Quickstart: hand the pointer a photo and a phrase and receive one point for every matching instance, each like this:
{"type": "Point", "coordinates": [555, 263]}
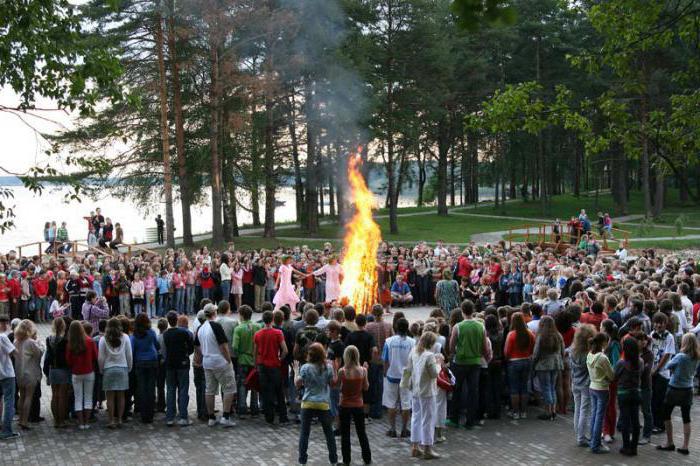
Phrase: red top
{"type": "Point", "coordinates": [5, 291]}
{"type": "Point", "coordinates": [593, 319]}
{"type": "Point", "coordinates": [15, 288]}
{"type": "Point", "coordinates": [207, 283]}
{"type": "Point", "coordinates": [248, 275]}
{"type": "Point", "coordinates": [268, 342]}
{"type": "Point", "coordinates": [512, 352]}
{"type": "Point", "coordinates": [351, 391]}
{"type": "Point", "coordinates": [568, 336]}
{"type": "Point", "coordinates": [696, 308]}
{"type": "Point", "coordinates": [83, 363]}
{"type": "Point", "coordinates": [310, 281]}
{"type": "Point", "coordinates": [464, 267]}
{"type": "Point", "coordinates": [41, 287]}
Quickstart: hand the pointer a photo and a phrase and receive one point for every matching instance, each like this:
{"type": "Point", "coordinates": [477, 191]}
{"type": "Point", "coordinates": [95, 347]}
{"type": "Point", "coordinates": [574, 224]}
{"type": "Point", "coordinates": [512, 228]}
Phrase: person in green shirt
{"type": "Point", "coordinates": [244, 351]}
{"type": "Point", "coordinates": [62, 239]}
{"type": "Point", "coordinates": [469, 346]}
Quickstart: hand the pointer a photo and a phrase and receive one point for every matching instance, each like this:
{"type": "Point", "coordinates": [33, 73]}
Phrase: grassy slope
{"type": "Point", "coordinates": [452, 229]}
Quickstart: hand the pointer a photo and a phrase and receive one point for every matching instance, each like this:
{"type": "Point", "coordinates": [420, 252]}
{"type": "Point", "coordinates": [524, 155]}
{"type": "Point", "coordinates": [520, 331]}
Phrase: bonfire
{"type": "Point", "coordinates": [359, 286]}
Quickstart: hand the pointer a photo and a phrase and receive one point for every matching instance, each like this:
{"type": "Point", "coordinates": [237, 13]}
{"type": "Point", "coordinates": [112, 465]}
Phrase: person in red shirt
{"type": "Point", "coordinates": [464, 266]}
{"type": "Point", "coordinates": [15, 294]}
{"type": "Point", "coordinates": [81, 355]}
{"type": "Point", "coordinates": [309, 283]}
{"type": "Point", "coordinates": [5, 292]}
{"type": "Point", "coordinates": [41, 291]}
{"type": "Point", "coordinates": [595, 316]}
{"type": "Point", "coordinates": [271, 350]}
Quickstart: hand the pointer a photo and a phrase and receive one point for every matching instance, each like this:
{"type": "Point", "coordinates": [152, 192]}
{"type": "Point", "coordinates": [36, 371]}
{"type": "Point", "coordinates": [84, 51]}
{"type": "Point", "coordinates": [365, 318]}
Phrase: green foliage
{"type": "Point", "coordinates": [44, 52]}
{"type": "Point", "coordinates": [472, 14]}
{"type": "Point", "coordinates": [679, 224]}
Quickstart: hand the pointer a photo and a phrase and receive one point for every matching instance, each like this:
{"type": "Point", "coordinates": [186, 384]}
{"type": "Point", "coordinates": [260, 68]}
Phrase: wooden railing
{"type": "Point", "coordinates": [543, 234]}
{"type": "Point", "coordinates": [77, 248]}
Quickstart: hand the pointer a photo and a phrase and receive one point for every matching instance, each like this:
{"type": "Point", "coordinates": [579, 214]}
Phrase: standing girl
{"type": "Point", "coordinates": [115, 361]}
{"type": "Point", "coordinates": [613, 352]}
{"type": "Point", "coordinates": [137, 293]}
{"type": "Point", "coordinates": [149, 284]}
{"type": "Point", "coordinates": [57, 370]}
{"type": "Point", "coordinates": [628, 378]}
{"type": "Point", "coordinates": [316, 376]}
{"type": "Point", "coordinates": [548, 362]}
{"type": "Point", "coordinates": [424, 368]}
{"type": "Point", "coordinates": [601, 373]}
{"type": "Point", "coordinates": [81, 355]}
{"type": "Point", "coordinates": [520, 343]}
{"type": "Point", "coordinates": [580, 382]}
{"type": "Point", "coordinates": [334, 274]}
{"type": "Point", "coordinates": [27, 368]}
{"type": "Point", "coordinates": [237, 284]}
{"type": "Point", "coordinates": [285, 288]}
{"type": "Point", "coordinates": [680, 390]}
{"type": "Point", "coordinates": [353, 382]}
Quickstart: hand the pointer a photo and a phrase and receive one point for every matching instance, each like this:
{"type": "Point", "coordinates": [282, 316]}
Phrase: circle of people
{"type": "Point", "coordinates": [614, 336]}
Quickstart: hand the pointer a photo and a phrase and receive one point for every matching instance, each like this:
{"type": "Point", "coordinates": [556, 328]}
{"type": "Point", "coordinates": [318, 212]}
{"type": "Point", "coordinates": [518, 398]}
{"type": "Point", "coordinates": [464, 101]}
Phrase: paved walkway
{"type": "Point", "coordinates": [253, 442]}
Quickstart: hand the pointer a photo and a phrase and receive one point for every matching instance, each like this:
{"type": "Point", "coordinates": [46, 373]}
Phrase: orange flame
{"type": "Point", "coordinates": [359, 286]}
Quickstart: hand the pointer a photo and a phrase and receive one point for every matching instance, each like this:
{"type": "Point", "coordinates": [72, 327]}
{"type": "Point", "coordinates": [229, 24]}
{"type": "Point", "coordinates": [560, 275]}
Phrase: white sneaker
{"type": "Point", "coordinates": [211, 423]}
{"type": "Point", "coordinates": [170, 423]}
{"type": "Point", "coordinates": [607, 439]}
{"type": "Point", "coordinates": [226, 422]}
{"type": "Point", "coordinates": [515, 416]}
{"type": "Point", "coordinates": [184, 422]}
{"type": "Point", "coordinates": [523, 415]}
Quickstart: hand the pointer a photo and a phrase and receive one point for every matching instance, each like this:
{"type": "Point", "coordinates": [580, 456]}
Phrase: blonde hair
{"type": "Point", "coordinates": [426, 341]}
{"type": "Point", "coordinates": [25, 329]}
{"type": "Point", "coordinates": [351, 357]}
{"type": "Point", "coordinates": [689, 346]}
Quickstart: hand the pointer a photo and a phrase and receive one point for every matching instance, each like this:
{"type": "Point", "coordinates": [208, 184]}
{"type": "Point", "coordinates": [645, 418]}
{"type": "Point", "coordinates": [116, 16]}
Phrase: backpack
{"type": "Point", "coordinates": [304, 339]}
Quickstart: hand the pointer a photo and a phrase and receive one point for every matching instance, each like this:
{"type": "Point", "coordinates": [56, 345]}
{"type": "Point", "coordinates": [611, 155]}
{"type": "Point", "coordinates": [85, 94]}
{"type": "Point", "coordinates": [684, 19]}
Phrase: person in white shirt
{"type": "Point", "coordinates": [212, 351]}
{"type": "Point", "coordinates": [7, 382]}
{"type": "Point", "coordinates": [683, 290]}
{"type": "Point", "coordinates": [621, 253]}
{"type": "Point", "coordinates": [395, 354]}
{"type": "Point", "coordinates": [115, 360]}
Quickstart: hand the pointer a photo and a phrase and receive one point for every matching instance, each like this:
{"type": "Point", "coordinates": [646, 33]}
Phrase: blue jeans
{"type": "Point", "coordinates": [225, 289]}
{"type": "Point", "coordinates": [466, 375]}
{"type": "Point", "coordinates": [376, 389]}
{"type": "Point", "coordinates": [599, 404]}
{"type": "Point", "coordinates": [41, 309]}
{"type": "Point", "coordinates": [7, 387]}
{"type": "Point", "coordinates": [151, 303]}
{"type": "Point", "coordinates": [190, 293]}
{"type": "Point", "coordinates": [179, 300]}
{"type": "Point", "coordinates": [243, 372]}
{"type": "Point", "coordinates": [177, 380]}
{"type": "Point", "coordinates": [518, 376]}
{"type": "Point", "coordinates": [163, 304]}
{"type": "Point", "coordinates": [326, 421]}
{"type": "Point", "coordinates": [548, 386]}
{"type": "Point", "coordinates": [269, 294]}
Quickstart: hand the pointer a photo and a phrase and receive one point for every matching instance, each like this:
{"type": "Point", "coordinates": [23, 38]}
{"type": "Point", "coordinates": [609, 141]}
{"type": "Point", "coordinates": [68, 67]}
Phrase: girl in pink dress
{"type": "Point", "coordinates": [334, 273]}
{"type": "Point", "coordinates": [285, 288]}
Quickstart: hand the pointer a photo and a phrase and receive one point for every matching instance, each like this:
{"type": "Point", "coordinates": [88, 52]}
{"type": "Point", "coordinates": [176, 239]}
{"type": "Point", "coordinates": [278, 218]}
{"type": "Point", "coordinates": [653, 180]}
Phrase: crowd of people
{"type": "Point", "coordinates": [609, 337]}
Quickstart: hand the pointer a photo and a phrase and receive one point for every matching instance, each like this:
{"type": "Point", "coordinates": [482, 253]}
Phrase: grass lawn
{"type": "Point", "coordinates": [671, 245]}
{"type": "Point", "coordinates": [452, 229]}
{"type": "Point", "coordinates": [567, 205]}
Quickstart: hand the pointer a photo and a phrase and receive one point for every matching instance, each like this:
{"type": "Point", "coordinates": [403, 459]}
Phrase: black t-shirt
{"type": "Point", "coordinates": [178, 347]}
{"type": "Point", "coordinates": [259, 275]}
{"type": "Point", "coordinates": [160, 223]}
{"type": "Point", "coordinates": [96, 220]}
{"type": "Point", "coordinates": [364, 341]}
{"type": "Point", "coordinates": [335, 351]}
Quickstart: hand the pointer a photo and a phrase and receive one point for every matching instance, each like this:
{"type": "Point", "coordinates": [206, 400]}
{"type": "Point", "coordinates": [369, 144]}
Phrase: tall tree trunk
{"type": "Point", "coordinates": [298, 183]}
{"type": "Point", "coordinates": [270, 184]}
{"type": "Point", "coordinates": [339, 175]}
{"type": "Point", "coordinates": [618, 174]}
{"type": "Point", "coordinates": [183, 178]}
{"type": "Point", "coordinates": [311, 160]}
{"type": "Point", "coordinates": [422, 175]}
{"type": "Point", "coordinates": [473, 155]}
{"type": "Point", "coordinates": [443, 151]}
{"type": "Point", "coordinates": [391, 190]}
{"type": "Point", "coordinates": [644, 159]}
{"type": "Point", "coordinates": [255, 176]}
{"type": "Point", "coordinates": [215, 94]}
{"type": "Point", "coordinates": [164, 132]}
{"type": "Point", "coordinates": [321, 170]}
{"type": "Point", "coordinates": [331, 190]}
{"type": "Point", "coordinates": [453, 167]}
{"type": "Point", "coordinates": [660, 188]}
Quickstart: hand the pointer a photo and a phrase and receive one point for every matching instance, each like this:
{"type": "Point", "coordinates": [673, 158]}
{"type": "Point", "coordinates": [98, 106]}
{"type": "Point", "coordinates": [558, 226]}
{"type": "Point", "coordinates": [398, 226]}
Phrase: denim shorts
{"type": "Point", "coordinates": [518, 376]}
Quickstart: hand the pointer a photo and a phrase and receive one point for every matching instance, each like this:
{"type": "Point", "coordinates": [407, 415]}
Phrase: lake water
{"type": "Point", "coordinates": [32, 211]}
